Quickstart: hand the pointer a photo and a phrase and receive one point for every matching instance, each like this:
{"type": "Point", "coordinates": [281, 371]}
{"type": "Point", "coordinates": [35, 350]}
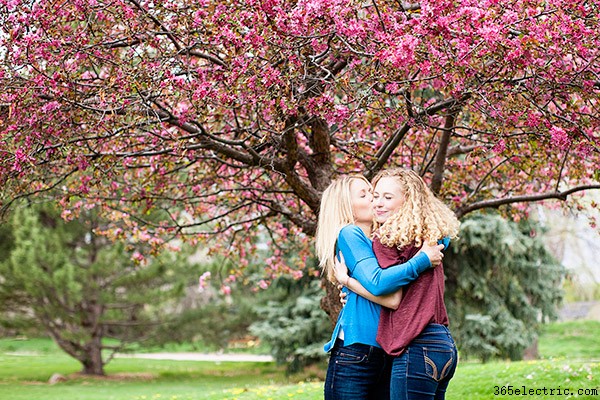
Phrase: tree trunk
{"type": "Point", "coordinates": [92, 358]}
{"type": "Point", "coordinates": [330, 303]}
{"type": "Point", "coordinates": [531, 353]}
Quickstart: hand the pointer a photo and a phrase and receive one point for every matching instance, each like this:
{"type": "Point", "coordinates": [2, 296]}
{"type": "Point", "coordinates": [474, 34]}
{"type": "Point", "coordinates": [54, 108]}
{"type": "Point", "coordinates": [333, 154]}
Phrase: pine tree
{"type": "Point", "coordinates": [81, 287]}
{"type": "Point", "coordinates": [502, 284]}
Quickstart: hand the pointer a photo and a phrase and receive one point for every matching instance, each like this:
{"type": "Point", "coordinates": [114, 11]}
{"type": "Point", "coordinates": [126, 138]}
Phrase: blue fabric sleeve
{"type": "Point", "coordinates": [445, 241]}
{"type": "Point", "coordinates": [363, 266]}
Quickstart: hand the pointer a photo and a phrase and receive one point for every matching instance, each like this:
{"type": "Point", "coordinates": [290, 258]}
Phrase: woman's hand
{"type": "Point", "coordinates": [434, 252]}
{"type": "Point", "coordinates": [343, 295]}
{"type": "Point", "coordinates": [340, 270]}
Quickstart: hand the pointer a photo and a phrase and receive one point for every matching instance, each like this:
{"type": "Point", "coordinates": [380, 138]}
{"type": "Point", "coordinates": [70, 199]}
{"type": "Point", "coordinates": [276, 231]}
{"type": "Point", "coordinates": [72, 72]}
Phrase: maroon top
{"type": "Point", "coordinates": [422, 302]}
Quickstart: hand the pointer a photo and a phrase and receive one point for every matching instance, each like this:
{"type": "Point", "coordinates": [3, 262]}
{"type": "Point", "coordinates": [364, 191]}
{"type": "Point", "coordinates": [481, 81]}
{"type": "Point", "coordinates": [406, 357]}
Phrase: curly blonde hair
{"type": "Point", "coordinates": [421, 218]}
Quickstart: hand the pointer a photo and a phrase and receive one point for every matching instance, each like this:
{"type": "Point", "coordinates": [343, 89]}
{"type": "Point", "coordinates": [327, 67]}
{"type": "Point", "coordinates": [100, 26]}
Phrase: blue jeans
{"type": "Point", "coordinates": [425, 368]}
{"type": "Point", "coordinates": [357, 372]}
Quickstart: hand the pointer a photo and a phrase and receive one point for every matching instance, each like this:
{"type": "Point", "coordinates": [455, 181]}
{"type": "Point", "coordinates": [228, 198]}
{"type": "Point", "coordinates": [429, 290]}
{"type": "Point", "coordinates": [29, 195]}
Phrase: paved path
{"type": "Point", "coordinates": [216, 357]}
{"type": "Point", "coordinates": [580, 310]}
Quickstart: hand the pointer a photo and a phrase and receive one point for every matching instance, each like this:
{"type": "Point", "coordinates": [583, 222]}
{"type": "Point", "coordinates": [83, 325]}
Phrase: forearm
{"type": "Point", "coordinates": [391, 300]}
{"type": "Point", "coordinates": [379, 281]}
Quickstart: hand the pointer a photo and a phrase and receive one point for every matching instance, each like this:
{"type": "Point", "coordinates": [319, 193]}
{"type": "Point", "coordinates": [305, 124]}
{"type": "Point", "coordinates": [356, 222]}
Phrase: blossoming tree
{"type": "Point", "coordinates": [228, 118]}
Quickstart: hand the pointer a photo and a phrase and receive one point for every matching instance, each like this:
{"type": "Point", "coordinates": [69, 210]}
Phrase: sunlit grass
{"type": "Point", "coordinates": [492, 380]}
{"type": "Point", "coordinates": [578, 339]}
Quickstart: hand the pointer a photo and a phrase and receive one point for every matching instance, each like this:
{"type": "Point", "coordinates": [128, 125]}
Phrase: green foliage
{"type": "Point", "coordinates": [477, 335]}
{"type": "Point", "coordinates": [80, 287]}
{"type": "Point", "coordinates": [209, 318]}
{"type": "Point", "coordinates": [293, 322]}
{"type": "Point", "coordinates": [213, 326]}
{"type": "Point", "coordinates": [502, 284]}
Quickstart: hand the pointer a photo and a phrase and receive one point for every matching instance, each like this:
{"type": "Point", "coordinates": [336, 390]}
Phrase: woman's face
{"type": "Point", "coordinates": [387, 198]}
{"type": "Point", "coordinates": [362, 201]}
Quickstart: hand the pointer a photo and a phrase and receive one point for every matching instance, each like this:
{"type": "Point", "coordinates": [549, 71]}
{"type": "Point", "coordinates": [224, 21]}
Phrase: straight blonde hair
{"type": "Point", "coordinates": [335, 212]}
{"type": "Point", "coordinates": [422, 217]}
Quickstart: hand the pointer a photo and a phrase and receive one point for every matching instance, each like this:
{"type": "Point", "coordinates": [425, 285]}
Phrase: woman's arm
{"type": "Point", "coordinates": [340, 269]}
{"type": "Point", "coordinates": [365, 268]}
{"type": "Point", "coordinates": [391, 300]}
{"type": "Point", "coordinates": [360, 258]}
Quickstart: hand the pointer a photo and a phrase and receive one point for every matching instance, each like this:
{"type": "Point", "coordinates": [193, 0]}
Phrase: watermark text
{"type": "Point", "coordinates": [510, 390]}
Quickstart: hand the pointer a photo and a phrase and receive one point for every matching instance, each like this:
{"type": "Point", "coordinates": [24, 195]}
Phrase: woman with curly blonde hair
{"type": "Point", "coordinates": [416, 334]}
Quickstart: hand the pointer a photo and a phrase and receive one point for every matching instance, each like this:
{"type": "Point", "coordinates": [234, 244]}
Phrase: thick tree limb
{"type": "Point", "coordinates": [495, 203]}
{"type": "Point", "coordinates": [440, 156]}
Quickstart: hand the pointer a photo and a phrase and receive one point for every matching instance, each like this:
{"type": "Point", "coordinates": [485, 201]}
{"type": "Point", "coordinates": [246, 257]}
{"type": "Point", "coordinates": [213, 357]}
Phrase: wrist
{"type": "Point", "coordinates": [347, 280]}
{"type": "Point", "coordinates": [422, 261]}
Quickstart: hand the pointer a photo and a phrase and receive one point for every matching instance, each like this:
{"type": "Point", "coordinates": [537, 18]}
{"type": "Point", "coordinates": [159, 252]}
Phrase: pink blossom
{"type": "Point", "coordinates": [297, 274]}
{"type": "Point", "coordinates": [559, 138]}
{"type": "Point", "coordinates": [20, 159]}
{"type": "Point", "coordinates": [263, 284]}
{"type": "Point", "coordinates": [67, 215]}
{"type": "Point", "coordinates": [249, 77]}
{"type": "Point", "coordinates": [499, 147]}
{"type": "Point", "coordinates": [226, 290]}
{"type": "Point", "coordinates": [203, 281]}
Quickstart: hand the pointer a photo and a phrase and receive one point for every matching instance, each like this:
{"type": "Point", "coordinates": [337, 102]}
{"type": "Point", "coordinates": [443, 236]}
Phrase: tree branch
{"type": "Point", "coordinates": [495, 203]}
{"type": "Point", "coordinates": [440, 156]}
{"type": "Point", "coordinates": [386, 150]}
{"type": "Point", "coordinates": [158, 23]}
{"type": "Point", "coordinates": [394, 140]}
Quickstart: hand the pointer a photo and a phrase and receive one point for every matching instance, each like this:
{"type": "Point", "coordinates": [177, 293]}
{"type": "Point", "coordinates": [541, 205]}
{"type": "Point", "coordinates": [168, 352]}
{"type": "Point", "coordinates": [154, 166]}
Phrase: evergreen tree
{"type": "Point", "coordinates": [81, 287]}
{"type": "Point", "coordinates": [215, 314]}
{"type": "Point", "coordinates": [502, 284]}
{"type": "Point", "coordinates": [293, 324]}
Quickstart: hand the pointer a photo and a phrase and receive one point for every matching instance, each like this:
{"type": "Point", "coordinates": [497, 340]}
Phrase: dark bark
{"type": "Point", "coordinates": [92, 358]}
{"type": "Point", "coordinates": [532, 352]}
{"type": "Point", "coordinates": [330, 303]}
{"type": "Point", "coordinates": [442, 152]}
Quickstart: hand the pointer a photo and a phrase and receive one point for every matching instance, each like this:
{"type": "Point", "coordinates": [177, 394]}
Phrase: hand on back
{"type": "Point", "coordinates": [340, 270]}
{"type": "Point", "coordinates": [434, 252]}
{"type": "Point", "coordinates": [341, 275]}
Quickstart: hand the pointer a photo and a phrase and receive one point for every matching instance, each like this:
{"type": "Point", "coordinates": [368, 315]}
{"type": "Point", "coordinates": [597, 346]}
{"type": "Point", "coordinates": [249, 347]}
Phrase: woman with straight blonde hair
{"type": "Point", "coordinates": [358, 367]}
{"type": "Point", "coordinates": [416, 334]}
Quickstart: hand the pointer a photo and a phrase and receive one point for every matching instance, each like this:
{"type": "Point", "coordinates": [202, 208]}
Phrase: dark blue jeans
{"type": "Point", "coordinates": [357, 372]}
{"type": "Point", "coordinates": [425, 368]}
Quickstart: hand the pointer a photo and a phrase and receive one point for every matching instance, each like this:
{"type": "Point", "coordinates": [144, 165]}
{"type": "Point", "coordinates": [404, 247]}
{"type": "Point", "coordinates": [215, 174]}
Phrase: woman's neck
{"type": "Point", "coordinates": [366, 228]}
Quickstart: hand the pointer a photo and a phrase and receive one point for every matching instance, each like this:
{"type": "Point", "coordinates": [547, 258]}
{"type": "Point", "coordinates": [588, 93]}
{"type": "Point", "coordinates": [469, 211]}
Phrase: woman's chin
{"type": "Point", "coordinates": [380, 219]}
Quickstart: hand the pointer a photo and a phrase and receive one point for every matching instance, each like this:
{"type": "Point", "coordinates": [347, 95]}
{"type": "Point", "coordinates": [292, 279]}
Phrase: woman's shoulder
{"type": "Point", "coordinates": [354, 244]}
{"type": "Point", "coordinates": [352, 232]}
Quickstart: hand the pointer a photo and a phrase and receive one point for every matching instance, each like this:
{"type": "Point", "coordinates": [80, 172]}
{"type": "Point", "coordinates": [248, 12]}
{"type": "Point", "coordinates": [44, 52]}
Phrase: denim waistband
{"type": "Point", "coordinates": [435, 330]}
{"type": "Point", "coordinates": [364, 348]}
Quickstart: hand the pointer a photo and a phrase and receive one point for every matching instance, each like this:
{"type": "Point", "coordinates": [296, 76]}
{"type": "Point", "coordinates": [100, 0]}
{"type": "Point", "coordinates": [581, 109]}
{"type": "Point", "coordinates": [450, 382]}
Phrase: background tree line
{"type": "Point", "coordinates": [96, 297]}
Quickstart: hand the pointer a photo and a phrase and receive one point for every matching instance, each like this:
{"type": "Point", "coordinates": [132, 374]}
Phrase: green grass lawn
{"type": "Point", "coordinates": [579, 339]}
{"type": "Point", "coordinates": [570, 361]}
{"type": "Point", "coordinates": [25, 378]}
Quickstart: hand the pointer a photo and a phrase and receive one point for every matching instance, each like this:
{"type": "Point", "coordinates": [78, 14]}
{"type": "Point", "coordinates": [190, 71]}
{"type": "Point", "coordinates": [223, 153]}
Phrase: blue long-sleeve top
{"type": "Point", "coordinates": [359, 318]}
